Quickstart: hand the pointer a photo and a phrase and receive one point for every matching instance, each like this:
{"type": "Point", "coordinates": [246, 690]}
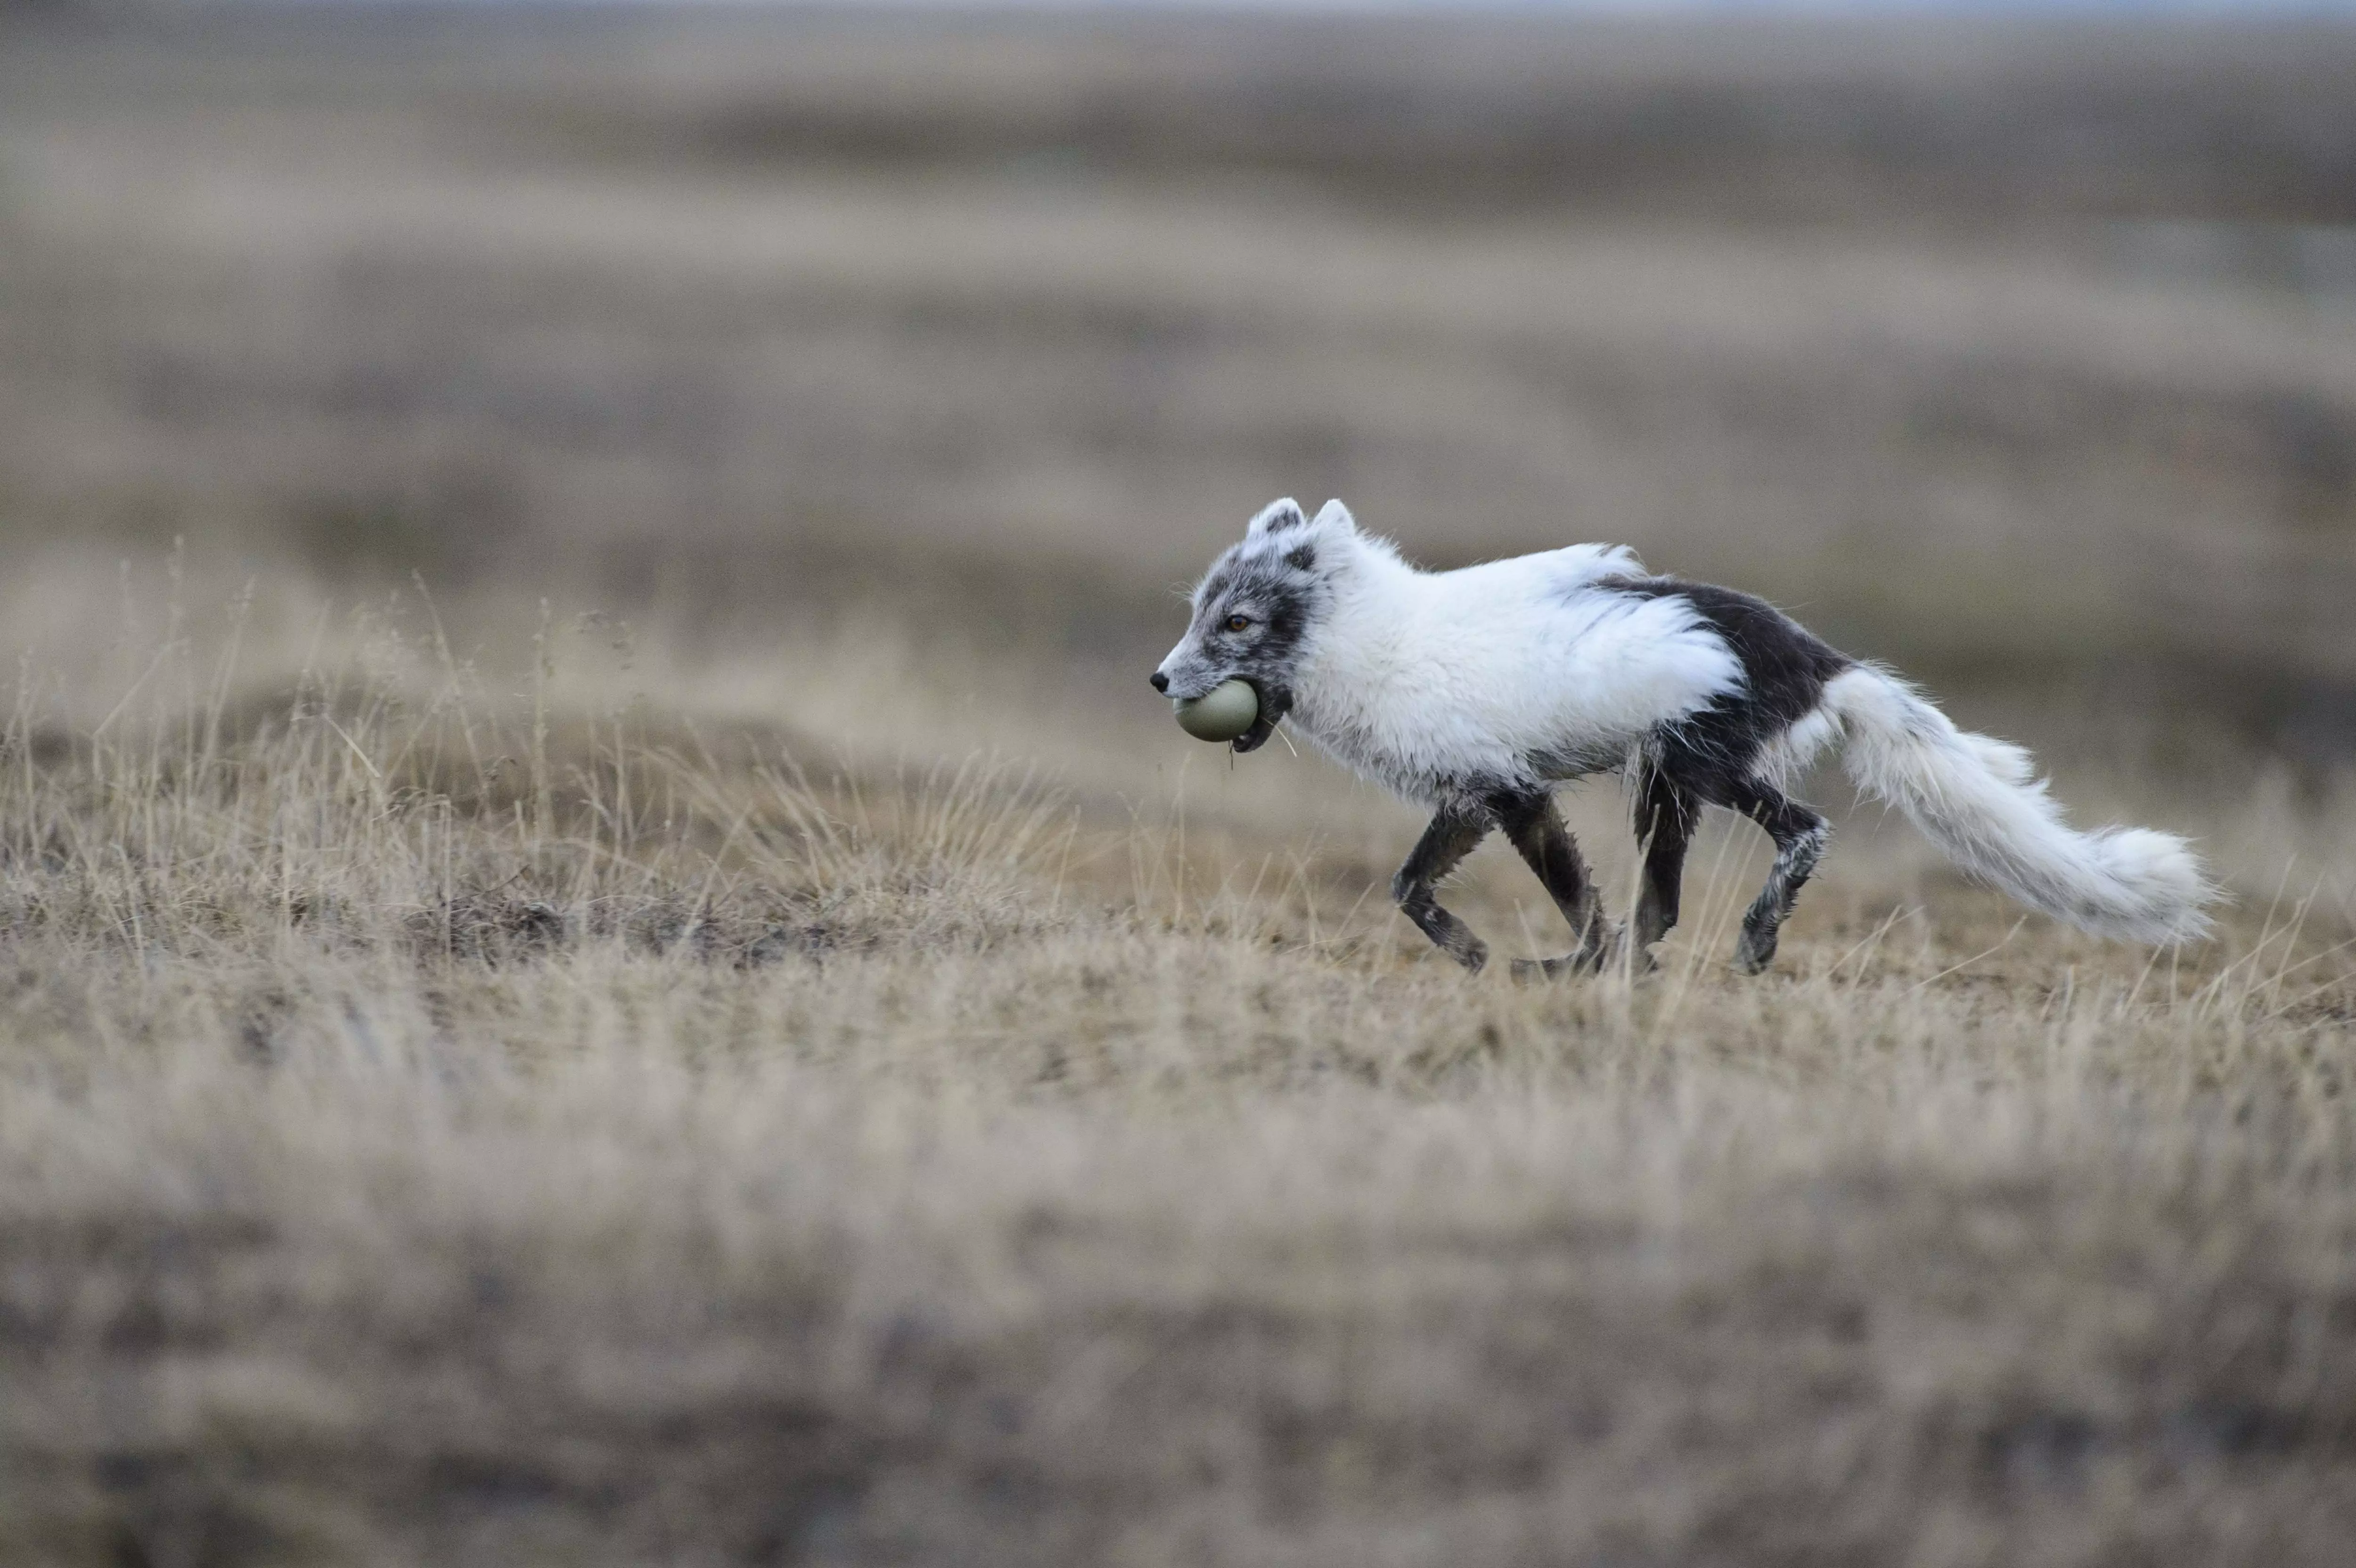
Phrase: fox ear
{"type": "Point", "coordinates": [1277, 515]}
{"type": "Point", "coordinates": [1334, 514]}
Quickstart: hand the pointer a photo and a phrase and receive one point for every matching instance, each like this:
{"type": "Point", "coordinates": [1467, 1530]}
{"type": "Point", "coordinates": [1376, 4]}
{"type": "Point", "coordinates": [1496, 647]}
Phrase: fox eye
{"type": "Point", "coordinates": [1238, 623]}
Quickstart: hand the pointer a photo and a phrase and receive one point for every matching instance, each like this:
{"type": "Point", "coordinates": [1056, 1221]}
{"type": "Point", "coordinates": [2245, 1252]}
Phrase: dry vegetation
{"type": "Point", "coordinates": [445, 1126]}
{"type": "Point", "coordinates": [2029, 352]}
{"type": "Point", "coordinates": [612, 963]}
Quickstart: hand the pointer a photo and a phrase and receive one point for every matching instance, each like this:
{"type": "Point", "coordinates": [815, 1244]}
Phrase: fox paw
{"type": "Point", "coordinates": [1603, 954]}
{"type": "Point", "coordinates": [1754, 951]}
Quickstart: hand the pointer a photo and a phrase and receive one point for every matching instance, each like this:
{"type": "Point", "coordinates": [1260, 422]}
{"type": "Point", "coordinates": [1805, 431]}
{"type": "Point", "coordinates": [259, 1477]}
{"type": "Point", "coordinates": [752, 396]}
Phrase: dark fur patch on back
{"type": "Point", "coordinates": [1784, 669]}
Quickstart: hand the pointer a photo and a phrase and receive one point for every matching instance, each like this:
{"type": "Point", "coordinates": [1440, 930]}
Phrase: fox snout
{"type": "Point", "coordinates": [1184, 672]}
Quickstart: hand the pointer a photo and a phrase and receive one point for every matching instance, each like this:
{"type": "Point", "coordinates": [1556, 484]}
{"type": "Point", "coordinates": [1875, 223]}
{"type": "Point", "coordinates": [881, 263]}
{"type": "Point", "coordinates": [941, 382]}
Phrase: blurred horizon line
{"type": "Point", "coordinates": [2224, 11]}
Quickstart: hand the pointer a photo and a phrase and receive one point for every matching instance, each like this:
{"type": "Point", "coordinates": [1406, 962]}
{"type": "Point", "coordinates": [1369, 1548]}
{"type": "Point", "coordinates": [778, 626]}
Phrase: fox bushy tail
{"type": "Point", "coordinates": [1978, 800]}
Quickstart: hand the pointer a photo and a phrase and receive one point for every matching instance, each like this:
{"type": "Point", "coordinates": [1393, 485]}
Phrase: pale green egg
{"type": "Point", "coordinates": [1222, 713]}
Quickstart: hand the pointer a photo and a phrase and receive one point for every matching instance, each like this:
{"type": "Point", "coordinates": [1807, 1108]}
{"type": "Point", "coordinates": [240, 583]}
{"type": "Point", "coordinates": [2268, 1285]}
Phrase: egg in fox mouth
{"type": "Point", "coordinates": [1226, 712]}
{"type": "Point", "coordinates": [1236, 710]}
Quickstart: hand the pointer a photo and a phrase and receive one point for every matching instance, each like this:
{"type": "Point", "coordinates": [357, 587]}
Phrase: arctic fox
{"type": "Point", "coordinates": [1474, 692]}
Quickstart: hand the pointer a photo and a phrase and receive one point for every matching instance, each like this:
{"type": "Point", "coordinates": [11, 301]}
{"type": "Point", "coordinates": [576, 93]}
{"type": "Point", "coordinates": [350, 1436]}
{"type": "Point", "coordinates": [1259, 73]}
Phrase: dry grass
{"type": "Point", "coordinates": [755, 309]}
{"type": "Point", "coordinates": [806, 1064]}
{"type": "Point", "coordinates": [447, 1121]}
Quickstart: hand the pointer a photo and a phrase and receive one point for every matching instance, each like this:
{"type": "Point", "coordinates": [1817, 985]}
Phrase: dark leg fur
{"type": "Point", "coordinates": [1667, 814]}
{"type": "Point", "coordinates": [1799, 833]}
{"type": "Point", "coordinates": [1548, 849]}
{"type": "Point", "coordinates": [1707, 757]}
{"type": "Point", "coordinates": [1451, 837]}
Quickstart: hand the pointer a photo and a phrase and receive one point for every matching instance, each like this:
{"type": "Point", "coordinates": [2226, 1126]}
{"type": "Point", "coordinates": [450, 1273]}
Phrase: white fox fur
{"type": "Point", "coordinates": [1978, 799]}
{"type": "Point", "coordinates": [1427, 681]}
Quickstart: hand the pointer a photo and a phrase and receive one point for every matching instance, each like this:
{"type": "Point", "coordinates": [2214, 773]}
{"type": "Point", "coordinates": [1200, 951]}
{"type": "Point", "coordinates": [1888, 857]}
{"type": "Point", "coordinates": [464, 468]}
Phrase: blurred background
{"type": "Point", "coordinates": [2019, 349]}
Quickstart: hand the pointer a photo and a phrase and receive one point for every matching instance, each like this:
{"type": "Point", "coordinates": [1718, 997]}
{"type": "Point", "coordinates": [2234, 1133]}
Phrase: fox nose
{"type": "Point", "coordinates": [1160, 681]}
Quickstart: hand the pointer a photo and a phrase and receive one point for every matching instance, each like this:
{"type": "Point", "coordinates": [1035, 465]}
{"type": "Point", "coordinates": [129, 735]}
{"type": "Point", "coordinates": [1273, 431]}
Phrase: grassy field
{"type": "Point", "coordinates": [445, 1123]}
{"type": "Point", "coordinates": [610, 960]}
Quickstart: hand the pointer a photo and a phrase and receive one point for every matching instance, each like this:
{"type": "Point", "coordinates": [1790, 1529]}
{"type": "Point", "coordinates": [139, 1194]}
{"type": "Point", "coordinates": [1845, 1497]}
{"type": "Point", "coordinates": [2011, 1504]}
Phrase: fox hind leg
{"type": "Point", "coordinates": [1667, 814]}
{"type": "Point", "coordinates": [1800, 833]}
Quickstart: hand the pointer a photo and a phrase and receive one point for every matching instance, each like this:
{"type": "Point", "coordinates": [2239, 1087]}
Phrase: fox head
{"type": "Point", "coordinates": [1255, 608]}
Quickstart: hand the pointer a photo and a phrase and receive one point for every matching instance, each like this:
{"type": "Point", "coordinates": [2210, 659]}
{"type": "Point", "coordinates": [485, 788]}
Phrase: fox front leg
{"type": "Point", "coordinates": [1548, 848]}
{"type": "Point", "coordinates": [1451, 835]}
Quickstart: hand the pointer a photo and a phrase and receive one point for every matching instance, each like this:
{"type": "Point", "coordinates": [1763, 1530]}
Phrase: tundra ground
{"type": "Point", "coordinates": [452, 1120]}
{"type": "Point", "coordinates": [610, 960]}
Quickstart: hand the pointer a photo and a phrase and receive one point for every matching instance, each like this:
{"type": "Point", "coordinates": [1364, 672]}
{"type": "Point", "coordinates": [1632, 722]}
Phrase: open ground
{"type": "Point", "coordinates": [610, 960]}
